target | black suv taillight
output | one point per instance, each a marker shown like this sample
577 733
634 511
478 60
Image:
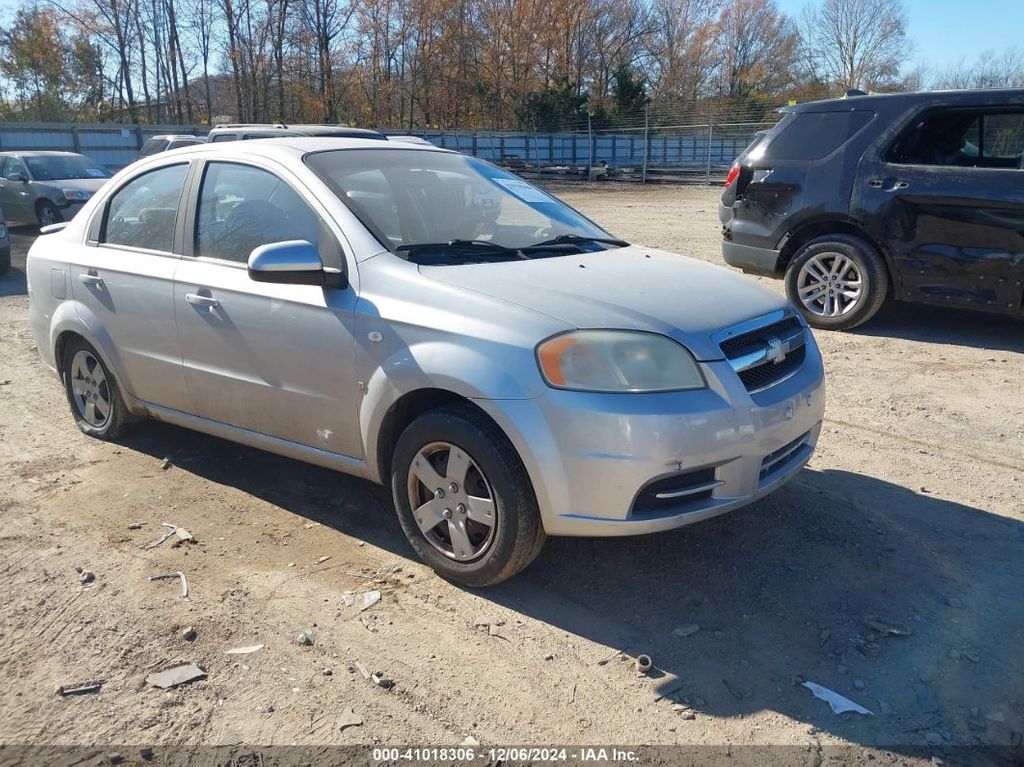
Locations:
734 173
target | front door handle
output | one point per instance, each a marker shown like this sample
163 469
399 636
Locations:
91 279
203 302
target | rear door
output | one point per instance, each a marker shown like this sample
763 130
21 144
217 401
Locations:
123 281
947 199
270 358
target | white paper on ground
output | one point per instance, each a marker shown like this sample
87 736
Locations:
839 704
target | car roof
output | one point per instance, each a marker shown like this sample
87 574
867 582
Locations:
983 97
294 146
39 153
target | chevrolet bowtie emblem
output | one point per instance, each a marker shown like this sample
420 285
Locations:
777 350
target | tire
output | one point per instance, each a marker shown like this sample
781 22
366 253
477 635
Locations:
483 554
47 213
91 388
5 262
811 274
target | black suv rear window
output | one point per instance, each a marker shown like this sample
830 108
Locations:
813 135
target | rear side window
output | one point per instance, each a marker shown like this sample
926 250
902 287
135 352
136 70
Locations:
224 137
152 146
141 213
964 138
813 135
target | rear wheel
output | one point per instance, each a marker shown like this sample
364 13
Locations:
5 262
48 214
93 393
464 499
837 282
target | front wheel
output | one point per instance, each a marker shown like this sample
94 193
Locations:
48 214
837 282
463 497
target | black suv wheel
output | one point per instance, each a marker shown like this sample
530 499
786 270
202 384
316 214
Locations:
837 282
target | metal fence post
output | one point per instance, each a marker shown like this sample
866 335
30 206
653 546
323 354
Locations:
643 173
711 128
590 150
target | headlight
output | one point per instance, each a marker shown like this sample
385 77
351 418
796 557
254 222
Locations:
617 361
76 195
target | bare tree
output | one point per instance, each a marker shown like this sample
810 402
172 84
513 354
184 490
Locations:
856 43
992 69
759 48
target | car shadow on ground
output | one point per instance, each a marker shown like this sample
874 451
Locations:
13 283
945 325
781 593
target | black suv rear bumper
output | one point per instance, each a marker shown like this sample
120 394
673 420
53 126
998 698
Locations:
751 259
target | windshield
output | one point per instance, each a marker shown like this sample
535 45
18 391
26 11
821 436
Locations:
63 167
411 199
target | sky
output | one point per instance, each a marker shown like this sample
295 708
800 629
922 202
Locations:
945 31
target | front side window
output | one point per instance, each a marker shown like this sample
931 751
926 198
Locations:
141 214
12 166
64 167
412 197
964 138
242 207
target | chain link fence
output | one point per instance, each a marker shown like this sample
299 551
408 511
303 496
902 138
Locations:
691 153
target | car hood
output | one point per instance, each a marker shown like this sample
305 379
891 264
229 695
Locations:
630 288
77 184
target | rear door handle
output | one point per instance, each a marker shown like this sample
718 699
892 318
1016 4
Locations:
204 302
894 186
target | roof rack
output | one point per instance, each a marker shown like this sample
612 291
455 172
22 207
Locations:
250 125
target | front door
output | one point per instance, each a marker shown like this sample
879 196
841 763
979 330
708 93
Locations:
274 359
16 198
125 281
950 196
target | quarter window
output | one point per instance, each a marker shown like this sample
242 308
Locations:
242 207
814 135
141 214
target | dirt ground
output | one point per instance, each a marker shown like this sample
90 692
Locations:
911 510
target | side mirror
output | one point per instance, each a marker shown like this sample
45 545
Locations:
17 177
293 262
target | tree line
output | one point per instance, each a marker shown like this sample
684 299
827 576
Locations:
453 64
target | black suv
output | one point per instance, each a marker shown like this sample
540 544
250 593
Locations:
918 195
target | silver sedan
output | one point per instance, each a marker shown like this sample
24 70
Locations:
46 188
429 321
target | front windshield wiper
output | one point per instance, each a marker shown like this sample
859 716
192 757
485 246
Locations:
501 250
574 239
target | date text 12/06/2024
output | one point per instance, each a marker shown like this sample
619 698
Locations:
498 755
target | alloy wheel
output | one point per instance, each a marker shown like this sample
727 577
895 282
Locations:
90 389
830 284
47 216
452 501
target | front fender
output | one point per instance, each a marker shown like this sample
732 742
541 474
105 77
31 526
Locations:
472 372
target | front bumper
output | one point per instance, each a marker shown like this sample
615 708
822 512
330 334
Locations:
589 455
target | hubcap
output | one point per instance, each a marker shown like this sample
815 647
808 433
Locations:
89 389
46 214
451 501
830 285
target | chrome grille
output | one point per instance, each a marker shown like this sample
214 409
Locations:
767 355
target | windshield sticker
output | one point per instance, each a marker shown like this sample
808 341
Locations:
95 173
522 190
